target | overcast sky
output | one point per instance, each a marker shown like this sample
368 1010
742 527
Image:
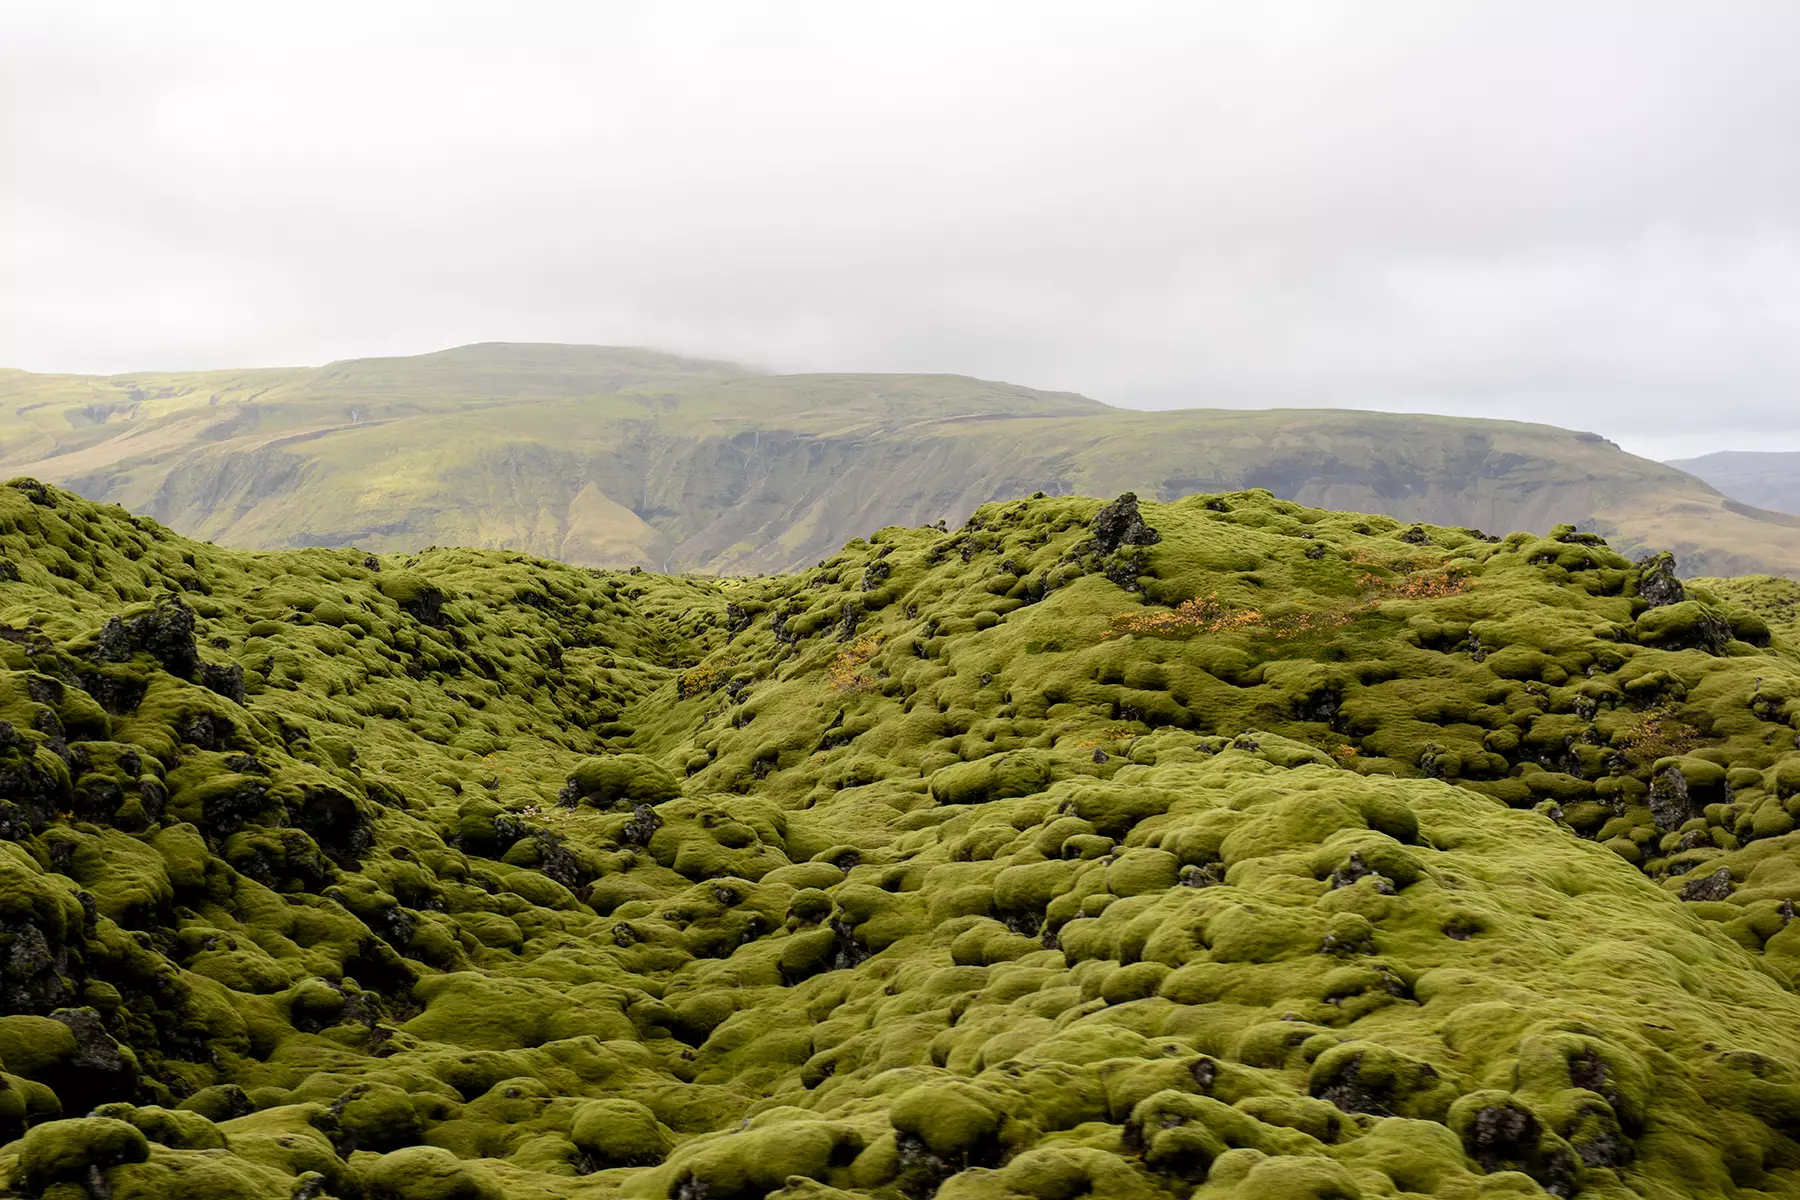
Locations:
1586 214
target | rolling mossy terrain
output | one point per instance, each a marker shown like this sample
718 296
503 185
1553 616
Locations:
1218 848
1776 599
612 457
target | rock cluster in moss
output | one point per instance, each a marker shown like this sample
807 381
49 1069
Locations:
1224 848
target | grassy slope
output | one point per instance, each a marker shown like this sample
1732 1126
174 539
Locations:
1395 863
1765 479
613 457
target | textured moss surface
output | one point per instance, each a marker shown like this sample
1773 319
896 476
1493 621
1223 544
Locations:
1243 850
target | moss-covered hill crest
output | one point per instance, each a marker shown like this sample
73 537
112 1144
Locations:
1222 848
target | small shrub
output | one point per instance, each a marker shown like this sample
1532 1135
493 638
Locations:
847 672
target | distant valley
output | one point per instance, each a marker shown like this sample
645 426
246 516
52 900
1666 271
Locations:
612 457
1766 479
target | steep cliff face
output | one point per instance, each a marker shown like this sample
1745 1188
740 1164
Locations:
619 458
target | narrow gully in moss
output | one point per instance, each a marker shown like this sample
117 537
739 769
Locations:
1407 862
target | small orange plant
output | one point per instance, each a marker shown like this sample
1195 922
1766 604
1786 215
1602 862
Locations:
1202 614
1421 585
1117 733
1208 614
699 680
847 672
1659 733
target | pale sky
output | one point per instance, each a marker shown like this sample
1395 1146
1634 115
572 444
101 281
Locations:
1586 214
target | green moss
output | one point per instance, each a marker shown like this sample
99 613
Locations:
619 1133
1029 896
67 1151
628 777
35 1047
987 779
427 1173
176 1129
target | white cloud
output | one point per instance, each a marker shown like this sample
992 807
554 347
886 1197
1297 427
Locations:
1588 214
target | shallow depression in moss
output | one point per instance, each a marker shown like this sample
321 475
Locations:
1219 848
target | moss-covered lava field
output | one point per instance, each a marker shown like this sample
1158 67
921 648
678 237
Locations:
1225 848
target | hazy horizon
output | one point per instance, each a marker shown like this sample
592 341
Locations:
1587 217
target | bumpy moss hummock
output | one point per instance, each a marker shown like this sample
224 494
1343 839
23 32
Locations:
1224 848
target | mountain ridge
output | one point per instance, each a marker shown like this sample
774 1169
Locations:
1768 479
606 456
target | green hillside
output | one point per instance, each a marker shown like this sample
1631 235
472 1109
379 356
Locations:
1224 848
612 457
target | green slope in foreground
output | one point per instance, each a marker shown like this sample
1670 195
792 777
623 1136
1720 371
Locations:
609 457
1259 851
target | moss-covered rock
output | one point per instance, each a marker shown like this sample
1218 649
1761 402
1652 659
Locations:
76 1150
1283 853
621 777
619 1133
427 1173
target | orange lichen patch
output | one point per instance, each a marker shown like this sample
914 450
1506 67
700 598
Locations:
1658 733
1419 585
1106 737
847 671
700 680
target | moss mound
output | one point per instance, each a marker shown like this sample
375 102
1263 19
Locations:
1224 848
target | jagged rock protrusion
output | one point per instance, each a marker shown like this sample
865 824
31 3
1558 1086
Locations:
166 633
1120 524
1716 886
1657 582
1671 804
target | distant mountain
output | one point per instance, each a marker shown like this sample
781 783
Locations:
1767 480
606 456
